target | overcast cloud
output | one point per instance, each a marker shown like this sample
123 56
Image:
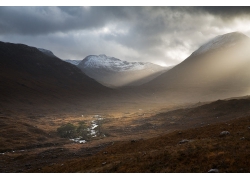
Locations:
163 35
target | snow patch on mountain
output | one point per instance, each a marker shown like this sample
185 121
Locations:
113 64
226 40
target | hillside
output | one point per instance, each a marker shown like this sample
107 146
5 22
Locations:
218 69
28 76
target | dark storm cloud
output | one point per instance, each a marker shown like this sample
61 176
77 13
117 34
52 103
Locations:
156 34
43 20
227 12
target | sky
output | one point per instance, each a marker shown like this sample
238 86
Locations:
162 35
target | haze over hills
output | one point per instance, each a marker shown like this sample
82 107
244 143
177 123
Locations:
114 72
218 69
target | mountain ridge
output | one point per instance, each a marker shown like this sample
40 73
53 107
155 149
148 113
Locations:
111 63
225 40
47 52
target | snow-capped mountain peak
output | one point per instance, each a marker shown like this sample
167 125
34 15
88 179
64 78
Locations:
111 63
113 72
221 41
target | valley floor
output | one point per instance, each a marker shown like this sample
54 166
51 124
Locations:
175 139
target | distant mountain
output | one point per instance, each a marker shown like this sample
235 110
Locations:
74 62
220 68
114 72
28 75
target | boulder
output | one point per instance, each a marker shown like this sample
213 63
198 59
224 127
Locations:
224 133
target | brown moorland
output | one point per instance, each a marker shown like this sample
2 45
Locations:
206 149
143 141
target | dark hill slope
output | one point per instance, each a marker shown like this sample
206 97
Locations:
30 76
